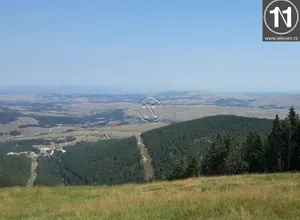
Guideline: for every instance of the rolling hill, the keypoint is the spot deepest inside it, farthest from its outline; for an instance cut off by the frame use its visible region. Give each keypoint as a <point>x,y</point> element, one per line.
<point>168,144</point>
<point>112,162</point>
<point>215,145</point>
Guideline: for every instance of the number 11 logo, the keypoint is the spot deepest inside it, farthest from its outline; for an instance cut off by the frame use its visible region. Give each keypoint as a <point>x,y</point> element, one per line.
<point>276,12</point>
<point>281,17</point>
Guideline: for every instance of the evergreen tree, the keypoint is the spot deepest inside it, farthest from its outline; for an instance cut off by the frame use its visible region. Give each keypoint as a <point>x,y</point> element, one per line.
<point>286,143</point>
<point>274,152</point>
<point>214,160</point>
<point>254,152</point>
<point>234,163</point>
<point>293,147</point>
<point>159,175</point>
<point>180,170</point>
<point>193,170</point>
<point>293,117</point>
<point>296,158</point>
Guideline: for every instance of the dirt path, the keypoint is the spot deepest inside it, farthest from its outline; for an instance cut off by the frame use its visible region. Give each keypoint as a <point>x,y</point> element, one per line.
<point>146,159</point>
<point>33,174</point>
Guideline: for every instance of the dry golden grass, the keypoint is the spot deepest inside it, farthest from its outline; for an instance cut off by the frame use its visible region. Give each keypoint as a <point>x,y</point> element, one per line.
<point>193,112</point>
<point>283,100</point>
<point>247,197</point>
<point>135,127</point>
<point>118,131</point>
<point>86,107</point>
<point>14,125</point>
<point>130,130</point>
<point>121,134</point>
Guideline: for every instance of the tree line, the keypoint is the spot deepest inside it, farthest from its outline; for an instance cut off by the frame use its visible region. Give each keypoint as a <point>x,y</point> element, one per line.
<point>279,151</point>
<point>177,144</point>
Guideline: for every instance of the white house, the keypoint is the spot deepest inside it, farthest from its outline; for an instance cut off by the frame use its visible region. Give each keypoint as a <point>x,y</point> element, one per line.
<point>62,150</point>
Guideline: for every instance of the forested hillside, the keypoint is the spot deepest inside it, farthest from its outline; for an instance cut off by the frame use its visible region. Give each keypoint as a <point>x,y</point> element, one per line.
<point>230,145</point>
<point>14,170</point>
<point>168,145</point>
<point>107,162</point>
<point>217,145</point>
<point>279,152</point>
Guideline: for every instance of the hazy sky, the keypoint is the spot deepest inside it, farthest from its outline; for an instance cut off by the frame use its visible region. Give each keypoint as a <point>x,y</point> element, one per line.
<point>143,45</point>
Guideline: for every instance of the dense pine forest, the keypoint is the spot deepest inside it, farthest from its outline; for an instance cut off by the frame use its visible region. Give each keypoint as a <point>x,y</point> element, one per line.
<point>107,162</point>
<point>278,152</point>
<point>216,145</point>
<point>14,170</point>
<point>177,144</point>
<point>228,154</point>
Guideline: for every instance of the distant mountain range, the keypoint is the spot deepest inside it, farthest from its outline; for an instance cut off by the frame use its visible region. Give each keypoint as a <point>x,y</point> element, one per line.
<point>42,90</point>
<point>69,89</point>
<point>271,100</point>
<point>276,100</point>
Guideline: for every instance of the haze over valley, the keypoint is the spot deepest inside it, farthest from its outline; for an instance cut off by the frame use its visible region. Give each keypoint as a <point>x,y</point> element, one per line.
<point>149,110</point>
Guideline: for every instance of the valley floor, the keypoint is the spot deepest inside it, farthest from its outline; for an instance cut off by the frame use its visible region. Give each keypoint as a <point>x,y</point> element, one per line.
<point>270,197</point>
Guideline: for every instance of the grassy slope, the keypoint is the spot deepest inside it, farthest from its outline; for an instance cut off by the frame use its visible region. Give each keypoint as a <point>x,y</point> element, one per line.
<point>272,196</point>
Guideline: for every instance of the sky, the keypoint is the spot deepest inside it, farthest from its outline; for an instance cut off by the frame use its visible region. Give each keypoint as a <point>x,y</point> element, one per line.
<point>138,46</point>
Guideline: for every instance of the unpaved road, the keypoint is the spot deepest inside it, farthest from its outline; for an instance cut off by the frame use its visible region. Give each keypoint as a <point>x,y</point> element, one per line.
<point>33,174</point>
<point>146,159</point>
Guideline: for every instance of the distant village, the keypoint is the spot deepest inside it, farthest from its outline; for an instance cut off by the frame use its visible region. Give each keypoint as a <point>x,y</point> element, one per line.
<point>43,152</point>
<point>54,145</point>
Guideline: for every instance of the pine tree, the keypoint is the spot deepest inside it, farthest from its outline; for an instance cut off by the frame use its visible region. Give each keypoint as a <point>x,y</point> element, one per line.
<point>293,146</point>
<point>234,163</point>
<point>274,153</point>
<point>159,175</point>
<point>296,158</point>
<point>293,117</point>
<point>193,170</point>
<point>180,170</point>
<point>214,160</point>
<point>289,140</point>
<point>254,152</point>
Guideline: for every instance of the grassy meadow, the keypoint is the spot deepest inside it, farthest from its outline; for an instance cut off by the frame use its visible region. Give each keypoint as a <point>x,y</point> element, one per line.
<point>270,197</point>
